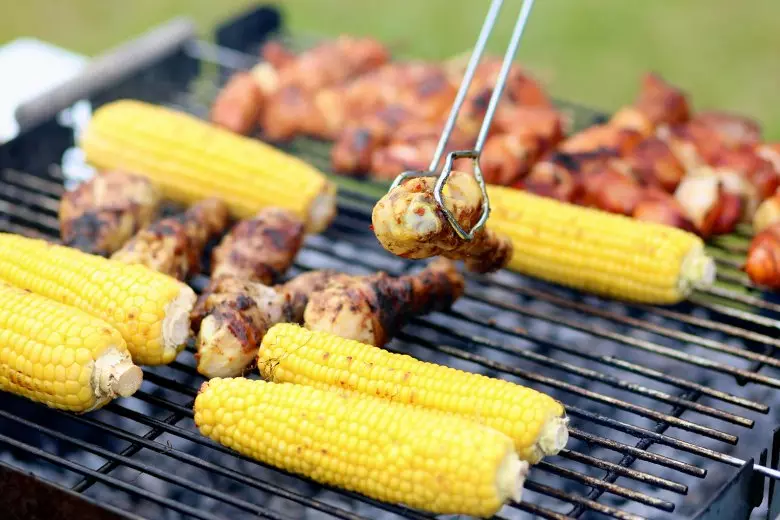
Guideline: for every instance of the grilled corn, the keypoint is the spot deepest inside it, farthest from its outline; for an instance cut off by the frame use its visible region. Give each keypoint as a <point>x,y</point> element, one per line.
<point>535,422</point>
<point>605,254</point>
<point>386,451</point>
<point>191,159</point>
<point>149,309</point>
<point>61,356</point>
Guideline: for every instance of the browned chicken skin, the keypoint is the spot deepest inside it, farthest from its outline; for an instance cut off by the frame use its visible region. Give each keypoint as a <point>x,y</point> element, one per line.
<point>232,315</point>
<point>408,223</point>
<point>239,104</point>
<point>100,215</point>
<point>371,309</point>
<point>763,258</point>
<point>259,249</point>
<point>174,245</point>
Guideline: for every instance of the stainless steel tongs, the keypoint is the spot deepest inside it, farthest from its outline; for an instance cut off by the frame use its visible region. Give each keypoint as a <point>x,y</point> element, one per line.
<point>476,55</point>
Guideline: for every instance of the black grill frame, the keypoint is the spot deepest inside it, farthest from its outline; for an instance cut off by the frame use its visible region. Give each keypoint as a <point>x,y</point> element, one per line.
<point>30,211</point>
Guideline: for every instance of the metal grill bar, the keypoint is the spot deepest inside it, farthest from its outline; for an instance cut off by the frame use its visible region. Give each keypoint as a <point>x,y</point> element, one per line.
<point>145,468</point>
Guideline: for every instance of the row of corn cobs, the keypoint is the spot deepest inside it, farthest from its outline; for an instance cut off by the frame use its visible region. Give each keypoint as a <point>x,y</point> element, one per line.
<point>74,327</point>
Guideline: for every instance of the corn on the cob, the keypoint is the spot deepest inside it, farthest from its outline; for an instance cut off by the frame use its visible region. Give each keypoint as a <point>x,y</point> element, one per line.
<point>384,450</point>
<point>534,421</point>
<point>606,254</point>
<point>60,356</point>
<point>150,310</point>
<point>190,160</point>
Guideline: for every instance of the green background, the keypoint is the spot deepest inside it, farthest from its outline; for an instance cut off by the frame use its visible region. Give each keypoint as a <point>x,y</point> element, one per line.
<point>725,53</point>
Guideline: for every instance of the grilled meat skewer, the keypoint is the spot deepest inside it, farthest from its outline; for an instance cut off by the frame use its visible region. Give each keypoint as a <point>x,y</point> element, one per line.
<point>100,215</point>
<point>174,245</point>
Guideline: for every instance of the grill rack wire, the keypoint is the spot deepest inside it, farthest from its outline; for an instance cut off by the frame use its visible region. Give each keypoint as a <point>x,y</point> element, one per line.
<point>658,396</point>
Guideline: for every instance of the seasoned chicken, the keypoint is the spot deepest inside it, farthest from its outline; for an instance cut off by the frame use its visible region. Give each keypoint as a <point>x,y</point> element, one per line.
<point>656,205</point>
<point>763,258</point>
<point>732,129</point>
<point>662,103</point>
<point>371,309</point>
<point>233,316</point>
<point>174,245</point>
<point>259,249</point>
<point>408,223</point>
<point>239,104</point>
<point>653,164</point>
<point>100,215</point>
<point>768,213</point>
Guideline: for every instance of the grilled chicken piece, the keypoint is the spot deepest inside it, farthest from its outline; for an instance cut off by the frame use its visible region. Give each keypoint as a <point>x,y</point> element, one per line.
<point>371,309</point>
<point>239,104</point>
<point>546,124</point>
<point>631,118</point>
<point>352,151</point>
<point>733,130</point>
<point>100,215</point>
<point>661,207</point>
<point>174,245</point>
<point>331,63</point>
<point>601,138</point>
<point>551,179</point>
<point>692,143</point>
<point>408,223</point>
<point>653,164</point>
<point>757,170</point>
<point>662,103</point>
<point>768,213</point>
<point>507,158</point>
<point>763,258</point>
<point>234,315</point>
<point>259,249</point>
<point>713,200</point>
<point>232,319</point>
<point>277,54</point>
<point>611,190</point>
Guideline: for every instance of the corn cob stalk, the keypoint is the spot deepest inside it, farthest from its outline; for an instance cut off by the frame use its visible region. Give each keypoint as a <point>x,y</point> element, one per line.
<point>387,451</point>
<point>536,423</point>
<point>191,160</point>
<point>150,310</point>
<point>606,254</point>
<point>60,356</point>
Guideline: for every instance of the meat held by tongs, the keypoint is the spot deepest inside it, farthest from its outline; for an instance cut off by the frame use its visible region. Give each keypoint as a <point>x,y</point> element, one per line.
<point>409,223</point>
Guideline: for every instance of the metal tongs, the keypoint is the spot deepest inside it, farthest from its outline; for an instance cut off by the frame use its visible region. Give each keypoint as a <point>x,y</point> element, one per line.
<point>476,55</point>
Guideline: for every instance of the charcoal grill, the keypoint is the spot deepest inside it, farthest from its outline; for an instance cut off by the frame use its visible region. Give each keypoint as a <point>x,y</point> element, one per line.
<point>659,397</point>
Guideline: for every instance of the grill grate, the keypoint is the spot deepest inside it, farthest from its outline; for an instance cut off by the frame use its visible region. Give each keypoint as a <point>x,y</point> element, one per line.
<point>658,397</point>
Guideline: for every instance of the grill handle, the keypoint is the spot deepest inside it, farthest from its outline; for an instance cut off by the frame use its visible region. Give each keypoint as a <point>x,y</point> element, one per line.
<point>108,69</point>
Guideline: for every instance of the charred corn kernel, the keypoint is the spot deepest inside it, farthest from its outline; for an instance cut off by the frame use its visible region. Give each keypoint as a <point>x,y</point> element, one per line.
<point>150,310</point>
<point>387,451</point>
<point>534,421</point>
<point>190,160</point>
<point>59,355</point>
<point>598,252</point>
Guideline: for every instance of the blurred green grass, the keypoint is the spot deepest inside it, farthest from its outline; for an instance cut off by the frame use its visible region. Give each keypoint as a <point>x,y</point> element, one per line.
<point>724,53</point>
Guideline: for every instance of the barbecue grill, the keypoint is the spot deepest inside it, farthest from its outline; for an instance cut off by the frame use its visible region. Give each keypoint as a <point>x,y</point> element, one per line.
<point>658,397</point>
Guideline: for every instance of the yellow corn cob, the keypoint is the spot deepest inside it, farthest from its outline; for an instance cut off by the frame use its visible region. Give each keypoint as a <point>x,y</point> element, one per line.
<point>534,421</point>
<point>150,310</point>
<point>190,160</point>
<point>598,252</point>
<point>387,451</point>
<point>61,356</point>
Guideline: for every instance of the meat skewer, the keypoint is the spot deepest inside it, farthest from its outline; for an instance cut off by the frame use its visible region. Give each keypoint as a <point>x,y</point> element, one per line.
<point>174,245</point>
<point>100,215</point>
<point>371,309</point>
